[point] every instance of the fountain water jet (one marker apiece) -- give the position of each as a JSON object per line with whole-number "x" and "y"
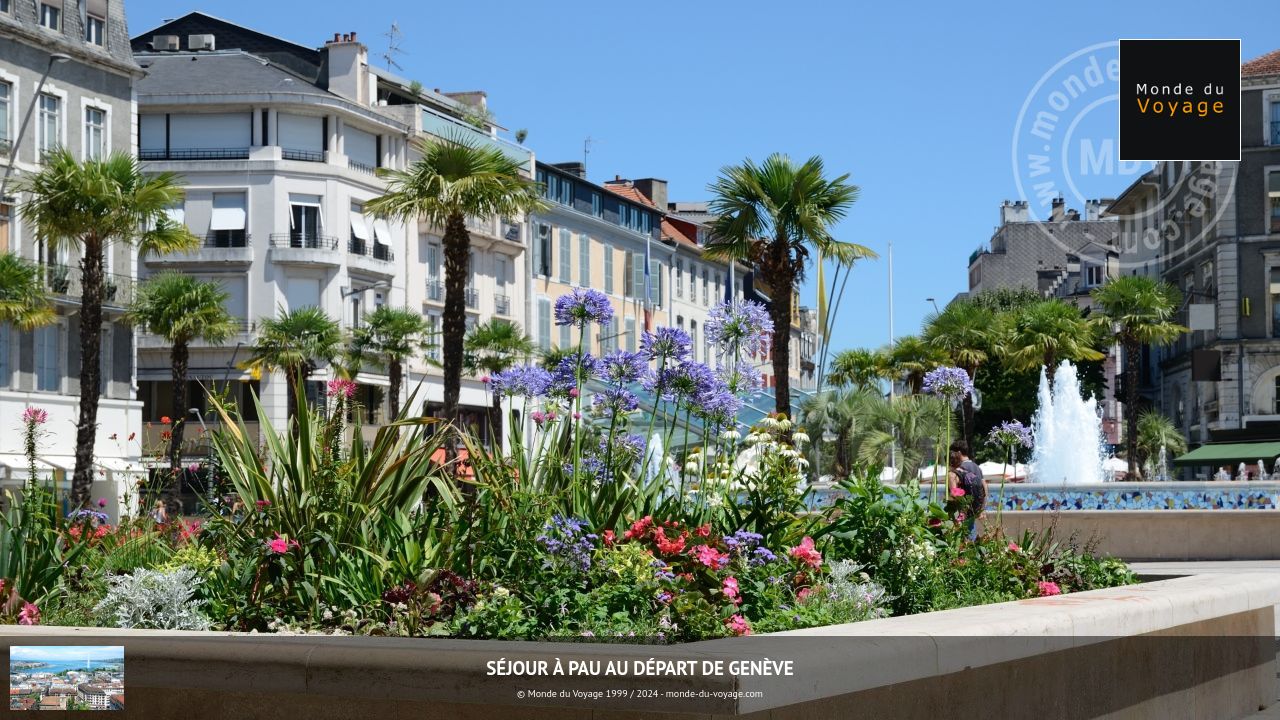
{"x": 1068, "y": 433}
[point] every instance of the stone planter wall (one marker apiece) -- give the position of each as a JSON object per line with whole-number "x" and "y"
{"x": 1158, "y": 534}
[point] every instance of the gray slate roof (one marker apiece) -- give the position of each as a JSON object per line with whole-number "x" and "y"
{"x": 230, "y": 72}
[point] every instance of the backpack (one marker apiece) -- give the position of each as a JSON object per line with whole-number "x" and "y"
{"x": 970, "y": 480}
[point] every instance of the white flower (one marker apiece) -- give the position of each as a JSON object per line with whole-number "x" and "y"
{"x": 730, "y": 435}
{"x": 800, "y": 438}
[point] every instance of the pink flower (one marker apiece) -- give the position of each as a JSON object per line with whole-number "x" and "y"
{"x": 1048, "y": 588}
{"x": 279, "y": 545}
{"x": 731, "y": 590}
{"x": 102, "y": 502}
{"x": 960, "y": 517}
{"x": 341, "y": 387}
{"x": 538, "y": 416}
{"x": 804, "y": 594}
{"x": 573, "y": 392}
{"x": 485, "y": 379}
{"x": 262, "y": 503}
{"x": 805, "y": 553}
{"x": 710, "y": 557}
{"x": 29, "y": 615}
{"x": 738, "y": 625}
{"x": 577, "y": 416}
{"x": 193, "y": 468}
{"x": 1013, "y": 547}
{"x": 957, "y": 492}
{"x": 35, "y": 416}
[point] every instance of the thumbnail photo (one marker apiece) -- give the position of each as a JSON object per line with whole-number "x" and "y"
{"x": 66, "y": 677}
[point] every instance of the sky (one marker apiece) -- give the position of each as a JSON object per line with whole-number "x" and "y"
{"x": 65, "y": 653}
{"x": 918, "y": 102}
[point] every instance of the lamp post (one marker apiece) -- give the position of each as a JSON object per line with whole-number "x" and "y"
{"x": 935, "y": 305}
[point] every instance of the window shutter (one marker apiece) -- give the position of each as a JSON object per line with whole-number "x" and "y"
{"x": 627, "y": 276}
{"x": 566, "y": 245}
{"x": 586, "y": 338}
{"x": 631, "y": 334}
{"x": 637, "y": 281}
{"x": 608, "y": 269}
{"x": 584, "y": 260}
{"x": 544, "y": 323}
{"x": 655, "y": 288}
{"x": 566, "y": 338}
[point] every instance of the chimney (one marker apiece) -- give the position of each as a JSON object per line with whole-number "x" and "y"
{"x": 577, "y": 168}
{"x": 1012, "y": 212}
{"x": 654, "y": 189}
{"x": 1059, "y": 210}
{"x": 348, "y": 66}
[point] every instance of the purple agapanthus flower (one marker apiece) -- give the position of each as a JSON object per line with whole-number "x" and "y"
{"x": 667, "y": 345}
{"x": 583, "y": 306}
{"x": 622, "y": 367}
{"x": 743, "y": 380}
{"x": 742, "y": 326}
{"x": 629, "y": 446}
{"x": 717, "y": 407}
{"x": 573, "y": 372}
{"x": 529, "y": 381}
{"x": 685, "y": 381}
{"x": 565, "y": 539}
{"x": 615, "y": 400}
{"x": 1010, "y": 433}
{"x": 951, "y": 383}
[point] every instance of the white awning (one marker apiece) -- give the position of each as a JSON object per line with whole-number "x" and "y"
{"x": 119, "y": 465}
{"x": 62, "y": 462}
{"x": 19, "y": 462}
{"x": 382, "y": 231}
{"x": 371, "y": 379}
{"x": 228, "y": 212}
{"x": 358, "y": 227}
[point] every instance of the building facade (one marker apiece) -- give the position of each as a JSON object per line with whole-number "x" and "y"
{"x": 66, "y": 81}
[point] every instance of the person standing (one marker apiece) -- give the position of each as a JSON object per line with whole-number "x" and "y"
{"x": 966, "y": 477}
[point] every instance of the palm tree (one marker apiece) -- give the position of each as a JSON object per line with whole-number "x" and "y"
{"x": 22, "y": 298}
{"x": 491, "y": 348}
{"x": 90, "y": 207}
{"x": 909, "y": 427}
{"x": 858, "y": 368}
{"x": 770, "y": 215}
{"x": 964, "y": 332}
{"x": 394, "y": 334}
{"x": 181, "y": 308}
{"x": 839, "y": 419}
{"x": 452, "y": 180}
{"x": 295, "y": 342}
{"x": 1138, "y": 311}
{"x": 1156, "y": 431}
{"x": 911, "y": 357}
{"x": 1045, "y": 334}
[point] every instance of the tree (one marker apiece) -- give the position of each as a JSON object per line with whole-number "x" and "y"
{"x": 491, "y": 348}
{"x": 295, "y": 342}
{"x": 23, "y": 301}
{"x": 393, "y": 334}
{"x": 770, "y": 215}
{"x": 911, "y": 357}
{"x": 1045, "y": 334}
{"x": 452, "y": 180}
{"x": 1156, "y": 431}
{"x": 908, "y": 427}
{"x": 89, "y": 207}
{"x": 858, "y": 368}
{"x": 181, "y": 308}
{"x": 964, "y": 331}
{"x": 838, "y": 420}
{"x": 1138, "y": 311}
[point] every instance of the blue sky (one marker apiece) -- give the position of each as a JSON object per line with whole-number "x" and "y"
{"x": 65, "y": 653}
{"x": 917, "y": 102}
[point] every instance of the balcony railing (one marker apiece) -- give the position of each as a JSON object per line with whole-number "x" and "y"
{"x": 65, "y": 282}
{"x": 196, "y": 154}
{"x": 435, "y": 291}
{"x": 309, "y": 241}
{"x": 226, "y": 239}
{"x": 360, "y": 167}
{"x": 375, "y": 250}
{"x": 473, "y": 298}
{"x": 304, "y": 155}
{"x": 501, "y": 305}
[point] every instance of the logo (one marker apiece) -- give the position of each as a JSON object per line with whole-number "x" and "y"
{"x": 1180, "y": 100}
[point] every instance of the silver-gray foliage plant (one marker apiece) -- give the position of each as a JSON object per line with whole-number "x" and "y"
{"x": 152, "y": 599}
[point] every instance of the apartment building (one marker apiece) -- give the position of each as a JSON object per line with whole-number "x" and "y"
{"x": 279, "y": 145}
{"x": 66, "y": 81}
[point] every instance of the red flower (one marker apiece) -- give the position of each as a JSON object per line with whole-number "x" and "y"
{"x": 279, "y": 545}
{"x": 805, "y": 553}
{"x": 1013, "y": 547}
{"x": 673, "y": 546}
{"x": 165, "y": 420}
{"x": 639, "y": 528}
{"x": 934, "y": 522}
{"x": 608, "y": 538}
{"x": 710, "y": 557}
{"x": 1047, "y": 588}
{"x": 704, "y": 531}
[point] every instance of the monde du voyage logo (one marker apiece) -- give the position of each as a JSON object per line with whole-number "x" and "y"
{"x": 1179, "y": 100}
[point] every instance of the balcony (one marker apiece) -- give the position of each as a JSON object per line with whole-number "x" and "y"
{"x": 240, "y": 153}
{"x": 303, "y": 155}
{"x": 435, "y": 291}
{"x": 502, "y": 305}
{"x": 370, "y": 257}
{"x": 63, "y": 282}
{"x": 220, "y": 246}
{"x": 361, "y": 167}
{"x": 243, "y": 332}
{"x": 299, "y": 248}
{"x": 473, "y": 298}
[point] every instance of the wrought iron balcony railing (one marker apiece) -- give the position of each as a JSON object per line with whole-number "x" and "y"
{"x": 375, "y": 250}
{"x": 435, "y": 291}
{"x": 65, "y": 282}
{"x": 501, "y": 305}
{"x": 241, "y": 153}
{"x": 304, "y": 155}
{"x": 226, "y": 239}
{"x": 310, "y": 241}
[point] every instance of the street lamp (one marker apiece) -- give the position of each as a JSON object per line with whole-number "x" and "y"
{"x": 935, "y": 305}
{"x": 380, "y": 285}
{"x": 54, "y": 58}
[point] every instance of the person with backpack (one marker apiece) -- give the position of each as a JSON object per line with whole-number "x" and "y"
{"x": 966, "y": 476}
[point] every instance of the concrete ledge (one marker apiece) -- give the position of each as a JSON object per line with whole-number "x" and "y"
{"x": 1204, "y": 642}
{"x": 1158, "y": 534}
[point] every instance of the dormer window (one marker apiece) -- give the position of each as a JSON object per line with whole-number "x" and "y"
{"x": 51, "y": 14}
{"x": 95, "y": 22}
{"x": 1094, "y": 275}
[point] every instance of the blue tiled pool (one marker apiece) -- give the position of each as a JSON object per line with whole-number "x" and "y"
{"x": 1119, "y": 496}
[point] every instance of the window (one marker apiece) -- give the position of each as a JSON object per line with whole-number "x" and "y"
{"x": 1275, "y": 302}
{"x": 95, "y": 133}
{"x": 679, "y": 278}
{"x": 655, "y": 282}
{"x": 500, "y": 273}
{"x": 719, "y": 289}
{"x": 228, "y": 222}
{"x": 558, "y": 189}
{"x": 584, "y": 261}
{"x": 631, "y": 334}
{"x": 1206, "y": 276}
{"x": 1273, "y": 198}
{"x": 50, "y": 125}
{"x": 48, "y": 369}
{"x": 4, "y": 6}
{"x": 104, "y": 363}
{"x": 597, "y": 208}
{"x": 693, "y": 337}
{"x": 544, "y": 324}
{"x": 566, "y": 245}
{"x": 6, "y": 213}
{"x": 356, "y": 315}
{"x": 433, "y": 336}
{"x": 1276, "y": 409}
{"x": 51, "y": 15}
{"x": 95, "y": 23}
{"x": 1093, "y": 275}
{"x": 705, "y": 294}
{"x": 305, "y": 221}
{"x": 635, "y": 275}
{"x": 542, "y": 252}
{"x": 1275, "y": 122}
{"x": 608, "y": 269}
{"x": 6, "y": 98}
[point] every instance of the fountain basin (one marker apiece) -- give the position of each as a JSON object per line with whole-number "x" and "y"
{"x": 1111, "y": 496}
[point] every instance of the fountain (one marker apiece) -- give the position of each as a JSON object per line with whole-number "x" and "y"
{"x": 1262, "y": 471}
{"x": 1162, "y": 470}
{"x": 1240, "y": 473}
{"x": 1068, "y": 433}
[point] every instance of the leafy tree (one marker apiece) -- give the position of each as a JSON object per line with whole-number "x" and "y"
{"x": 23, "y": 301}
{"x": 1156, "y": 431}
{"x": 490, "y": 348}
{"x": 837, "y": 420}
{"x": 908, "y": 426}
{"x": 295, "y": 342}
{"x": 1000, "y": 300}
{"x": 964, "y": 331}
{"x": 1045, "y": 334}
{"x": 770, "y": 215}
{"x": 88, "y": 208}
{"x": 858, "y": 368}
{"x": 911, "y": 358}
{"x": 394, "y": 335}
{"x": 181, "y": 308}
{"x": 452, "y": 180}
{"x": 1139, "y": 311}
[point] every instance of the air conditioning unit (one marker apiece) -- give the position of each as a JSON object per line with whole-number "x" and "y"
{"x": 166, "y": 42}
{"x": 200, "y": 42}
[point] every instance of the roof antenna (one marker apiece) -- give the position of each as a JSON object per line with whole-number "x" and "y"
{"x": 393, "y": 37}
{"x": 586, "y": 148}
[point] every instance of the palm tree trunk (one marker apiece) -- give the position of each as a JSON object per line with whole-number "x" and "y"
{"x": 1130, "y": 359}
{"x": 179, "y": 358}
{"x": 394, "y": 371}
{"x": 90, "y": 369}
{"x": 495, "y": 424}
{"x": 457, "y": 248}
{"x": 291, "y": 394}
{"x": 780, "y": 310}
